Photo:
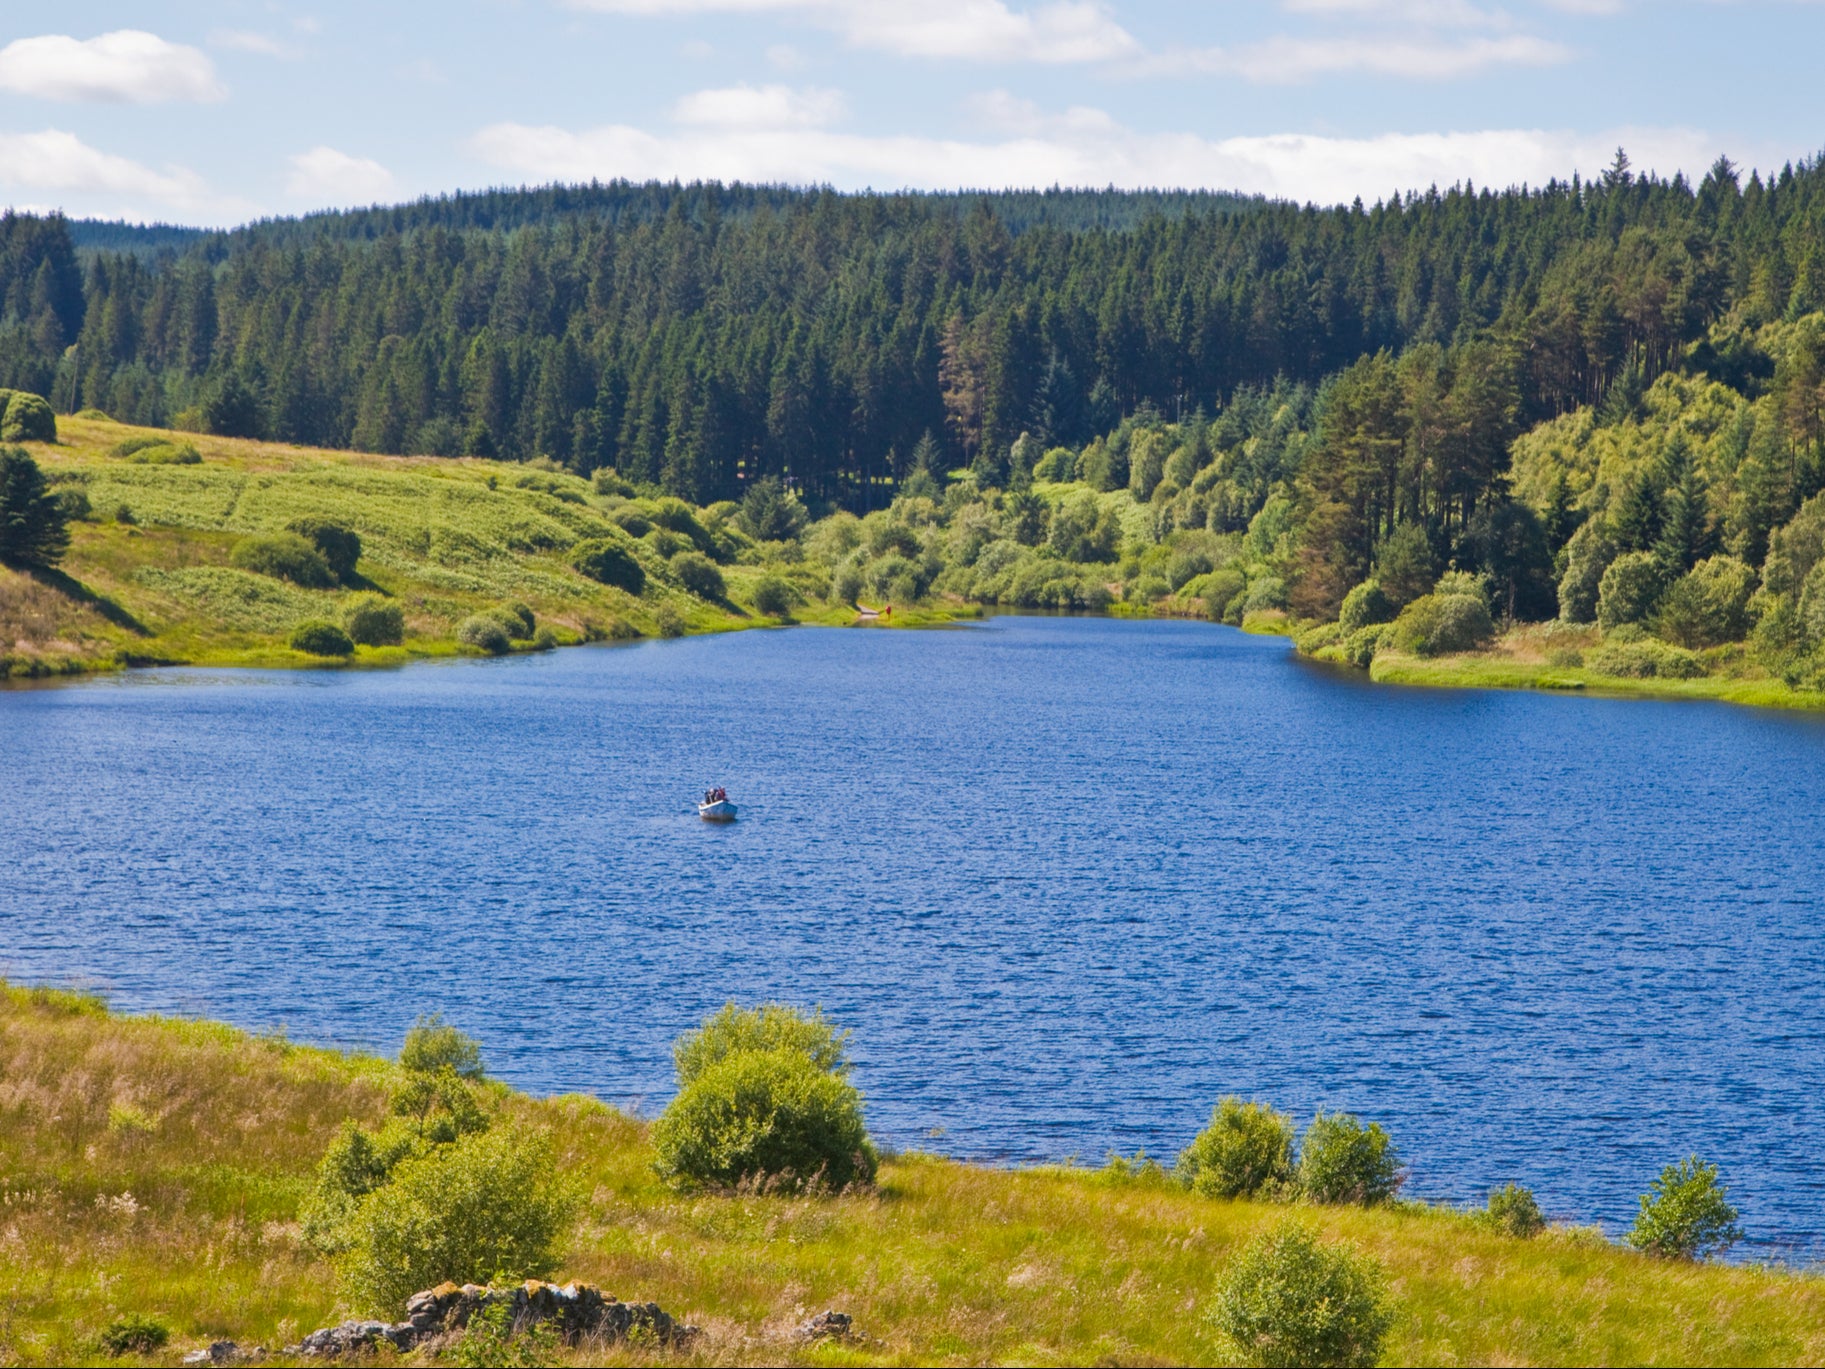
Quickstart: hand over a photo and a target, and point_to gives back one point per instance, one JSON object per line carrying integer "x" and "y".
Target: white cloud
{"x": 128, "y": 66}
{"x": 1082, "y": 147}
{"x": 61, "y": 162}
{"x": 1286, "y": 61}
{"x": 1433, "y": 13}
{"x": 328, "y": 178}
{"x": 760, "y": 107}
{"x": 1063, "y": 31}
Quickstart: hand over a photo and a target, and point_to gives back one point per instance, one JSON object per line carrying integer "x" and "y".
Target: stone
{"x": 224, "y": 1352}
{"x": 827, "y": 1326}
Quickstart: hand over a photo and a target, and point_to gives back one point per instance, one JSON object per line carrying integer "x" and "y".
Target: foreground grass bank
{"x": 150, "y": 576}
{"x": 156, "y": 1167}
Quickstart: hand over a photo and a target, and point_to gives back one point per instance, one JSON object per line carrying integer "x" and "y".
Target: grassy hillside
{"x": 148, "y": 577}
{"x": 155, "y": 1166}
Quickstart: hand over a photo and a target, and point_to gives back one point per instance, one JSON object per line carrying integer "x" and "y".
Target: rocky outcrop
{"x": 827, "y": 1326}
{"x": 573, "y": 1310}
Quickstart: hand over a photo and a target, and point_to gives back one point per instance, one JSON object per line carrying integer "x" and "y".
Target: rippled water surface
{"x": 1067, "y": 879}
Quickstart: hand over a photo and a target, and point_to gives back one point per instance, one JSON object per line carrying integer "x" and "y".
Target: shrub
{"x": 484, "y": 632}
{"x": 1265, "y": 595}
{"x": 1246, "y": 1149}
{"x": 772, "y": 1118}
{"x": 545, "y": 639}
{"x": 770, "y": 1027}
{"x": 1645, "y": 659}
{"x": 770, "y": 512}
{"x": 607, "y": 481}
{"x": 609, "y": 563}
{"x": 1685, "y": 1214}
{"x": 432, "y": 1044}
{"x": 123, "y": 514}
{"x": 133, "y": 1335}
{"x": 320, "y": 638}
{"x": 34, "y": 530}
{"x": 166, "y": 454}
{"x": 1225, "y": 586}
{"x": 339, "y": 546}
{"x": 1343, "y": 1161}
{"x": 1437, "y": 623}
{"x": 1629, "y": 589}
{"x": 487, "y": 1204}
{"x": 1709, "y": 605}
{"x": 374, "y": 621}
{"x": 28, "y": 419}
{"x": 73, "y": 503}
{"x": 1147, "y": 588}
{"x": 1287, "y": 1300}
{"x": 1513, "y": 1211}
{"x": 698, "y": 573}
{"x": 283, "y": 556}
{"x": 516, "y": 618}
{"x": 1462, "y": 582}
{"x": 139, "y": 442}
{"x": 773, "y": 597}
{"x": 1359, "y": 647}
{"x": 1365, "y": 605}
{"x": 668, "y": 622}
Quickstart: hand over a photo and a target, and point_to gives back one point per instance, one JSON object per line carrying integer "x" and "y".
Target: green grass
{"x": 155, "y": 1166}
{"x": 1495, "y": 671}
{"x": 445, "y": 538}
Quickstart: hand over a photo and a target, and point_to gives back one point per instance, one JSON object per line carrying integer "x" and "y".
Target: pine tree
{"x": 33, "y": 530}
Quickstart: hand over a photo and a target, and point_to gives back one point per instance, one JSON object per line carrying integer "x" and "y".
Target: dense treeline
{"x": 698, "y": 337}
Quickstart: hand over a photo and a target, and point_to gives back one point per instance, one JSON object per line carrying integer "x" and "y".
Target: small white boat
{"x": 720, "y": 811}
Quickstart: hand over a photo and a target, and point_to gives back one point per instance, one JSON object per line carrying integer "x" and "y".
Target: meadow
{"x": 155, "y": 1167}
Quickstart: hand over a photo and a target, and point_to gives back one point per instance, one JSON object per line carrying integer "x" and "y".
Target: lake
{"x": 1068, "y": 880}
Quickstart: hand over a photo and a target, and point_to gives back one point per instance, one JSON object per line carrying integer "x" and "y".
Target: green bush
{"x": 139, "y": 442}
{"x": 283, "y": 556}
{"x": 484, "y": 632}
{"x": 432, "y": 1044}
{"x": 606, "y": 481}
{"x": 28, "y": 419}
{"x": 1247, "y": 1149}
{"x": 773, "y": 597}
{"x": 133, "y": 1334}
{"x": 1629, "y": 589}
{"x": 1365, "y": 605}
{"x": 545, "y": 639}
{"x": 1265, "y": 595}
{"x": 489, "y": 1204}
{"x": 1709, "y": 605}
{"x": 1685, "y": 1215}
{"x": 339, "y": 546}
{"x": 1434, "y": 624}
{"x": 1343, "y": 1161}
{"x": 770, "y": 1027}
{"x": 320, "y": 638}
{"x": 1225, "y": 586}
{"x": 1287, "y": 1300}
{"x": 373, "y": 620}
{"x": 609, "y": 563}
{"x": 698, "y": 573}
{"x": 668, "y": 622}
{"x": 1645, "y": 659}
{"x": 519, "y": 620}
{"x": 1464, "y": 583}
{"x": 770, "y": 1118}
{"x": 1359, "y": 647}
{"x": 73, "y": 503}
{"x": 166, "y": 454}
{"x": 34, "y": 530}
{"x": 1513, "y": 1211}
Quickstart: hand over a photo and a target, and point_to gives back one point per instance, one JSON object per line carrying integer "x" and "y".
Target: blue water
{"x": 1068, "y": 880}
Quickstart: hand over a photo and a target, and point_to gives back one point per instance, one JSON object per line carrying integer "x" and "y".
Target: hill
{"x": 155, "y": 1167}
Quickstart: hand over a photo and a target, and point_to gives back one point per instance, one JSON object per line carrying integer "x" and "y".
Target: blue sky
{"x": 216, "y": 111}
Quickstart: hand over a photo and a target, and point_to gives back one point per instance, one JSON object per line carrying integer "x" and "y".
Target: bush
{"x": 770, "y": 1027}
{"x": 34, "y": 531}
{"x": 1287, "y": 1300}
{"x": 1513, "y": 1211}
{"x": 607, "y": 481}
{"x": 484, "y": 632}
{"x": 1363, "y": 606}
{"x": 698, "y": 573}
{"x": 1246, "y": 1149}
{"x": 545, "y": 639}
{"x": 1434, "y": 624}
{"x": 608, "y": 563}
{"x": 1359, "y": 647}
{"x": 1265, "y": 595}
{"x": 339, "y": 547}
{"x": 1629, "y": 589}
{"x": 374, "y": 621}
{"x": 1709, "y": 605}
{"x": 283, "y": 556}
{"x": 1225, "y": 586}
{"x": 432, "y": 1044}
{"x": 28, "y": 419}
{"x": 1645, "y": 659}
{"x": 487, "y": 1205}
{"x": 668, "y": 622}
{"x": 518, "y": 619}
{"x": 139, "y": 442}
{"x": 320, "y": 638}
{"x": 133, "y": 1335}
{"x": 1343, "y": 1161}
{"x": 73, "y": 503}
{"x": 773, "y": 597}
{"x": 771, "y": 1118}
{"x": 1685, "y": 1215}
{"x": 165, "y": 454}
